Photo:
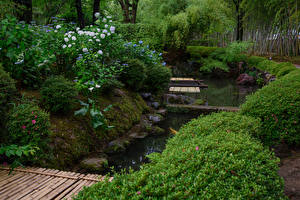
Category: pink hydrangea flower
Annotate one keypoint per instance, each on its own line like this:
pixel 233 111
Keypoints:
pixel 33 121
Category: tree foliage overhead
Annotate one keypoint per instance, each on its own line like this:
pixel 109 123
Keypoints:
pixel 179 20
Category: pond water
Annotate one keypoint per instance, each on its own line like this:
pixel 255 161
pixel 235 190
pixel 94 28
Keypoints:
pixel 223 92
pixel 136 154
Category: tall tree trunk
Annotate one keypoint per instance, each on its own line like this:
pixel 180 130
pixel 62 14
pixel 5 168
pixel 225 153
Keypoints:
pixel 240 16
pixel 134 11
pixel 129 10
pixel 125 10
pixel 80 15
pixel 96 9
pixel 24 10
pixel 240 28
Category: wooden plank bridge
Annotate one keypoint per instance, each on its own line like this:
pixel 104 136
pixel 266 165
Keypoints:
pixel 41 183
pixel 185 85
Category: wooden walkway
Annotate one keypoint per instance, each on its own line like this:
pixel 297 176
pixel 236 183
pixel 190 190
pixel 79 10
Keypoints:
pixel 41 183
pixel 185 85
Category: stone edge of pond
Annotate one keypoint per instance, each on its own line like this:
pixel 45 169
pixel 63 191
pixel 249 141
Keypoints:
pixel 179 108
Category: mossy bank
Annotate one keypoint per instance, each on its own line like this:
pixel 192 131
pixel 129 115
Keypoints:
pixel 72 138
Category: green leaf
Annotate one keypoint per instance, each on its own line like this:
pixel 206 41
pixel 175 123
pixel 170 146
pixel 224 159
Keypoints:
pixel 8 153
pixel 82 111
pixel 83 104
pixel 90 101
pixel 95 112
pixel 19 152
pixel 107 108
pixel 96 124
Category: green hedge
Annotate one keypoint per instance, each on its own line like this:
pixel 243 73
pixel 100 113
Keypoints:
pixel 277 69
pixel 211 157
pixel 134 74
pixel 285 68
pixel 149 34
pixel 253 61
pixel 158 78
pixel 278 106
pixel 200 51
pixel 58 94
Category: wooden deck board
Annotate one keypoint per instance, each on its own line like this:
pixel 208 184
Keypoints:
pixel 184 89
pixel 41 183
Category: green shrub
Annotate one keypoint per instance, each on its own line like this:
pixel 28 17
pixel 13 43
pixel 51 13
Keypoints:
pixel 134 74
pixel 285 68
pixel 57 94
pixel 27 124
pixel 268 66
pixel 200 51
pixel 149 34
pixel 158 78
pixel 235 52
pixel 211 157
pixel 219 54
pixel 8 91
pixel 278 106
pixel 253 61
pixel 210 65
pixel 203 42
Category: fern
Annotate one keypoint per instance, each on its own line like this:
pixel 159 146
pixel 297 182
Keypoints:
pixel 209 65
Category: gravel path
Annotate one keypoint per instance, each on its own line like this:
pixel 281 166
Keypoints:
pixel 290 171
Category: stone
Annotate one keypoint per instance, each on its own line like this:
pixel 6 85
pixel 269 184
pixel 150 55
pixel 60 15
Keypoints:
pixel 137 132
pixel 155 118
pixel 155 105
pixel 138 135
pixel 117 146
pixel 245 79
pixel 146 95
pixel 156 130
pixel 162 112
pixel 178 99
pixel 94 164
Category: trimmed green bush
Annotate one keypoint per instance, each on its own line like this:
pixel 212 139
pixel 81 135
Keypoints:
pixel 8 91
pixel 269 66
pixel 158 78
pixel 57 94
pixel 200 51
pixel 285 68
pixel 27 124
pixel 211 157
pixel 134 74
pixel 253 61
pixel 278 106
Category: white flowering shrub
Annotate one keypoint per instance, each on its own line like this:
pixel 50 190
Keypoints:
pixel 93 56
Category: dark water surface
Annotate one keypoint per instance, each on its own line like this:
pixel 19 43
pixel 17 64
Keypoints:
pixel 221 92
pixel 136 154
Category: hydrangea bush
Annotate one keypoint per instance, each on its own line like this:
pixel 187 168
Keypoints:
pixel 92 56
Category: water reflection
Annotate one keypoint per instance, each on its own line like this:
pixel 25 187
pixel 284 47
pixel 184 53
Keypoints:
pixel 223 92
pixel 136 154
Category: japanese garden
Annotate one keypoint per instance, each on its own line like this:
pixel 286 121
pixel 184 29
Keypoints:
pixel 150 99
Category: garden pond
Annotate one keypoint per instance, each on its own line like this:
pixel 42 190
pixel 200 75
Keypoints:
pixel 220 92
